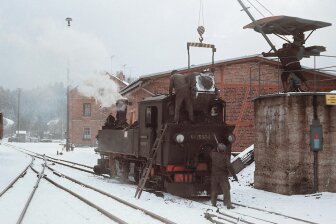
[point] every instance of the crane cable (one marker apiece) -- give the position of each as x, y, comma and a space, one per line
201, 14
259, 11
256, 8
200, 28
264, 7
281, 36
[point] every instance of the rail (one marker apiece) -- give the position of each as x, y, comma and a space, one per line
104, 212
247, 217
17, 178
153, 215
54, 160
275, 213
24, 210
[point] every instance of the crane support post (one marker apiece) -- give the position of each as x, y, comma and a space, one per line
257, 26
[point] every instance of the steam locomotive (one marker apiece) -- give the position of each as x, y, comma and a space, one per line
182, 164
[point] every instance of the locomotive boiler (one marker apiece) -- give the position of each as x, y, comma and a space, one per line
181, 165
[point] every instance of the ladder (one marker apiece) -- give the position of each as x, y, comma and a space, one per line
150, 161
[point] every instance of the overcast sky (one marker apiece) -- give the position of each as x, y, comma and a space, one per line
147, 36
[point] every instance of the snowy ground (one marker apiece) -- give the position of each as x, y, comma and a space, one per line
52, 205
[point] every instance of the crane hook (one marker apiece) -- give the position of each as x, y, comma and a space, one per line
201, 31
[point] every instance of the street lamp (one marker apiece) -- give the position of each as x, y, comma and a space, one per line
68, 20
67, 143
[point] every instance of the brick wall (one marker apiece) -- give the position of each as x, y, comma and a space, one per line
239, 82
78, 121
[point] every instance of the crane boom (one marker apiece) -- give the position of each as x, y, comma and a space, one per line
257, 26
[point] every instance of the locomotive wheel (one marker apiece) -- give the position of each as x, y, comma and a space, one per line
112, 167
137, 172
125, 170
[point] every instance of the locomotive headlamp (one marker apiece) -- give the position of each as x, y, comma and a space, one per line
231, 138
214, 111
221, 147
179, 138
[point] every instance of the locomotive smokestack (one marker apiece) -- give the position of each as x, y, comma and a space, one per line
121, 107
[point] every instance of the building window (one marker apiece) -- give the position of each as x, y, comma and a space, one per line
87, 134
87, 109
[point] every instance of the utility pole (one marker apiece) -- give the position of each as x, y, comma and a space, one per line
111, 63
124, 69
67, 143
18, 112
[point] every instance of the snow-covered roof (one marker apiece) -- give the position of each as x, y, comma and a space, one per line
53, 122
115, 77
21, 132
7, 122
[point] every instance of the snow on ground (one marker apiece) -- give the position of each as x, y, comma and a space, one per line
13, 201
52, 205
80, 155
11, 164
318, 208
63, 208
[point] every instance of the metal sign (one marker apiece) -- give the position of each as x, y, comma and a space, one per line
331, 99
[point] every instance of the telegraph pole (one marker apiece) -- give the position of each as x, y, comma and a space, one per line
111, 63
67, 143
18, 112
124, 67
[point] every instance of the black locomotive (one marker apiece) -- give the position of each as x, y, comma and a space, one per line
182, 163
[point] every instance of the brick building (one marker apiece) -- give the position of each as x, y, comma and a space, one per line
239, 81
86, 116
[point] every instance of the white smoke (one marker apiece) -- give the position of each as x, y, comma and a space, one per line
8, 123
102, 88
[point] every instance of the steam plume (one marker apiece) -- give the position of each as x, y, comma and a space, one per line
102, 88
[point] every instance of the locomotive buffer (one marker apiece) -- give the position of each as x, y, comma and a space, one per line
149, 164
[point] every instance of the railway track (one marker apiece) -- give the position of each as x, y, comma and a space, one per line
249, 215
275, 213
120, 201
79, 195
246, 214
19, 192
219, 217
40, 176
74, 165
22, 174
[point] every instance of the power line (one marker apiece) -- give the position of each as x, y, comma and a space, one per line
264, 7
256, 8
